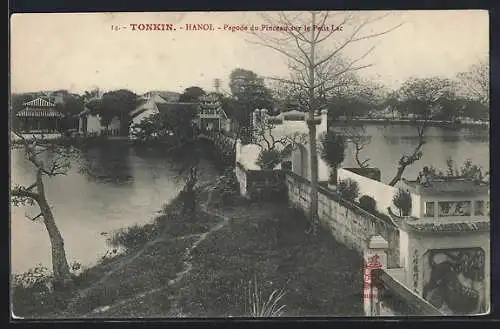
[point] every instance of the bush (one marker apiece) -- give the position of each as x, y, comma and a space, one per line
368, 203
348, 189
268, 159
132, 237
402, 201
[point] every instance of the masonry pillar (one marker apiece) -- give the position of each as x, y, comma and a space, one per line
374, 257
238, 150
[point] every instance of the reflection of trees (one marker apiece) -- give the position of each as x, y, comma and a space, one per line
107, 164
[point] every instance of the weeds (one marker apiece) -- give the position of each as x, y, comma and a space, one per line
262, 307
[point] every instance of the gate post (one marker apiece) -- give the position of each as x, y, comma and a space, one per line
374, 257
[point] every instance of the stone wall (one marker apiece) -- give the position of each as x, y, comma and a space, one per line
391, 298
261, 185
347, 222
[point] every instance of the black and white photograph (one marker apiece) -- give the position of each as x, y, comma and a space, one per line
268, 164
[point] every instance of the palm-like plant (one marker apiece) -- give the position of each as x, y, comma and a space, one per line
333, 148
261, 306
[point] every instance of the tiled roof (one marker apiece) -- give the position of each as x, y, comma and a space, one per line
448, 186
174, 106
33, 112
436, 226
450, 227
39, 102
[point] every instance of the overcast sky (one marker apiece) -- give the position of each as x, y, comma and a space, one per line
79, 51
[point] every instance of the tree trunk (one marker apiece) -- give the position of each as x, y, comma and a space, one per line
60, 265
333, 176
313, 208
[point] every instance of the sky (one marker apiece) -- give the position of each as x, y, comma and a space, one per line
77, 52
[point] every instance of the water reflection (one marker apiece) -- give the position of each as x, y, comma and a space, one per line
107, 164
113, 185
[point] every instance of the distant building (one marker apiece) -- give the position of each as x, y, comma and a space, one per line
39, 116
90, 124
210, 114
153, 104
287, 124
168, 96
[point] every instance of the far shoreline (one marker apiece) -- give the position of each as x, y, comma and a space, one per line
431, 123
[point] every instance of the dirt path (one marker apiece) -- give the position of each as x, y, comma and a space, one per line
186, 262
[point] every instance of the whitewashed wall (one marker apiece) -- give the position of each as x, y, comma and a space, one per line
380, 192
94, 124
114, 126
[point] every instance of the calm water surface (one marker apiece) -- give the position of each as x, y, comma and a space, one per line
389, 143
118, 188
121, 187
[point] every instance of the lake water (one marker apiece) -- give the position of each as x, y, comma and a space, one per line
118, 188
122, 188
389, 143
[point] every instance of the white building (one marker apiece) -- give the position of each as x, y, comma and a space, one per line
445, 250
153, 105
444, 243
287, 124
89, 124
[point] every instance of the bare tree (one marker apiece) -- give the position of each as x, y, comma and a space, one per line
314, 71
408, 159
476, 82
35, 194
357, 136
266, 138
422, 98
274, 148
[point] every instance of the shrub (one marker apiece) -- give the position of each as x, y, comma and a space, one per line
368, 203
332, 151
132, 237
402, 201
268, 159
348, 189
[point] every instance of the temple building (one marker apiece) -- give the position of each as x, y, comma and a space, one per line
39, 116
445, 244
211, 116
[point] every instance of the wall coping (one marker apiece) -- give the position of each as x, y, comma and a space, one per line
335, 197
378, 242
416, 304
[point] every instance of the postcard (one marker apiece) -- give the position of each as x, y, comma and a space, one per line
249, 164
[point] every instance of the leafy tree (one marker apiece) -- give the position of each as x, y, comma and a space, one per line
70, 107
348, 189
424, 97
191, 94
118, 103
333, 148
475, 110
250, 93
173, 125
402, 201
